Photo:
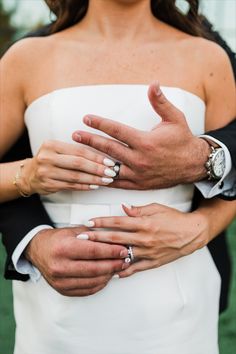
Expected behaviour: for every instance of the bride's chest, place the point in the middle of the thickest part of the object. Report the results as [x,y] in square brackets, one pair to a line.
[58,114]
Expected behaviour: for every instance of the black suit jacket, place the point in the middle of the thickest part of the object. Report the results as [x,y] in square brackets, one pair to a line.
[19,216]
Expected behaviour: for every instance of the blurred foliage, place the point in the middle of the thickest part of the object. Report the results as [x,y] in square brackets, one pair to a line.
[7,31]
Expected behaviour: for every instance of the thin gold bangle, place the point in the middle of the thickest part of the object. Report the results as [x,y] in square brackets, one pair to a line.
[16,179]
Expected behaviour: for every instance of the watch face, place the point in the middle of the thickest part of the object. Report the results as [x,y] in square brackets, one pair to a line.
[218,163]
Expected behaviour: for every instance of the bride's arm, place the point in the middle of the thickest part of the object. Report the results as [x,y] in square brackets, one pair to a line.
[57,165]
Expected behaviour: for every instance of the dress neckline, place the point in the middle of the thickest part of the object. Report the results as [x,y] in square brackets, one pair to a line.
[79,87]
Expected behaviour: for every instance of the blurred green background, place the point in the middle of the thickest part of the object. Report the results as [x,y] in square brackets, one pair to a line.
[20,16]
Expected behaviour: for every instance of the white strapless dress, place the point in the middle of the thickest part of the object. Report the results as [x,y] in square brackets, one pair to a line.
[169,310]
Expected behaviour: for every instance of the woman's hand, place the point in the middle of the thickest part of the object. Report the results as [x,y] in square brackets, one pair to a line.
[158,234]
[60,166]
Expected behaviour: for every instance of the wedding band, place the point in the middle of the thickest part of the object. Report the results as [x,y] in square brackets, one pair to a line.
[116,168]
[131,253]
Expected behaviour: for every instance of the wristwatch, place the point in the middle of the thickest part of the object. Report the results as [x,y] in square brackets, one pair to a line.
[215,164]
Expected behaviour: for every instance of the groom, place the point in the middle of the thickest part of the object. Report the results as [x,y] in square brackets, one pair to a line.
[185,165]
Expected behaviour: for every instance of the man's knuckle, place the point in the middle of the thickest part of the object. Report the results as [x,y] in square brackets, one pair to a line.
[148,242]
[115,131]
[108,147]
[54,271]
[148,146]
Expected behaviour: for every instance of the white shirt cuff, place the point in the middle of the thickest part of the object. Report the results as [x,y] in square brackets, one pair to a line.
[20,262]
[210,189]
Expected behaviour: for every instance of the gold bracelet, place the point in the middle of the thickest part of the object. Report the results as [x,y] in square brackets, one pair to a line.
[17,178]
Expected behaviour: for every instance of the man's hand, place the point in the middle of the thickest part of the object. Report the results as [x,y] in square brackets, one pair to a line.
[74,267]
[166,156]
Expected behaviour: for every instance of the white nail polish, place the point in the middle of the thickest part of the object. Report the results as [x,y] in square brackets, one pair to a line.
[116,276]
[93,186]
[82,237]
[107,180]
[108,162]
[128,206]
[89,223]
[116,168]
[127,260]
[110,173]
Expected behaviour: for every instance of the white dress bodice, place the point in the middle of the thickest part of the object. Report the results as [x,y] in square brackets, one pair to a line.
[55,116]
[168,310]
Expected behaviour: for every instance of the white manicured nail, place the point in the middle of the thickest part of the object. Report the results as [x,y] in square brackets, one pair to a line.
[107,180]
[108,162]
[82,237]
[89,223]
[127,260]
[116,168]
[116,276]
[128,206]
[110,173]
[93,186]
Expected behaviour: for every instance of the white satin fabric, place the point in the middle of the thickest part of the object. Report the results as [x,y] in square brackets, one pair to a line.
[169,310]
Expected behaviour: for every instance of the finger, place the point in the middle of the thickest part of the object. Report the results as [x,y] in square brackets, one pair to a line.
[115,222]
[162,106]
[138,267]
[127,173]
[53,186]
[117,237]
[83,164]
[70,176]
[85,249]
[110,147]
[77,150]
[125,184]
[145,210]
[82,292]
[91,269]
[119,131]
[81,283]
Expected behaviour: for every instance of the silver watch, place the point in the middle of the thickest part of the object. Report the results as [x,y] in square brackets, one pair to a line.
[216,164]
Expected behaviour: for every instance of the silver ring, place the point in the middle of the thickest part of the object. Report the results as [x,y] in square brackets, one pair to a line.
[131,253]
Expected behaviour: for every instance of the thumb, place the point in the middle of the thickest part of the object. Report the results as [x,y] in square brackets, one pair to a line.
[145,210]
[162,106]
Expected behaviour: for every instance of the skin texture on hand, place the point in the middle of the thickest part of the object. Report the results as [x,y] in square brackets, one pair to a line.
[166,156]
[155,240]
[61,166]
[74,267]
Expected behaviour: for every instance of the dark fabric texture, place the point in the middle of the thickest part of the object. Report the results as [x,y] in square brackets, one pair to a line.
[228,137]
[20,216]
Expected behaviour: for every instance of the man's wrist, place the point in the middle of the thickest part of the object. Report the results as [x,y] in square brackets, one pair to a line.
[32,245]
[199,153]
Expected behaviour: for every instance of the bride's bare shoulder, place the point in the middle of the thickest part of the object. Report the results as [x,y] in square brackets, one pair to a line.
[28,49]
[26,59]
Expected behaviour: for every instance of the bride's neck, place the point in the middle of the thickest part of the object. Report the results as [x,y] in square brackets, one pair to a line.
[118,19]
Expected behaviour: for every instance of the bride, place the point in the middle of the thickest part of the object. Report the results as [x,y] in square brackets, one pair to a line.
[100,58]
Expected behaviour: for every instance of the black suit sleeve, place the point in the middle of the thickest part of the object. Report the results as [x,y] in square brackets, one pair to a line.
[226,135]
[19,216]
